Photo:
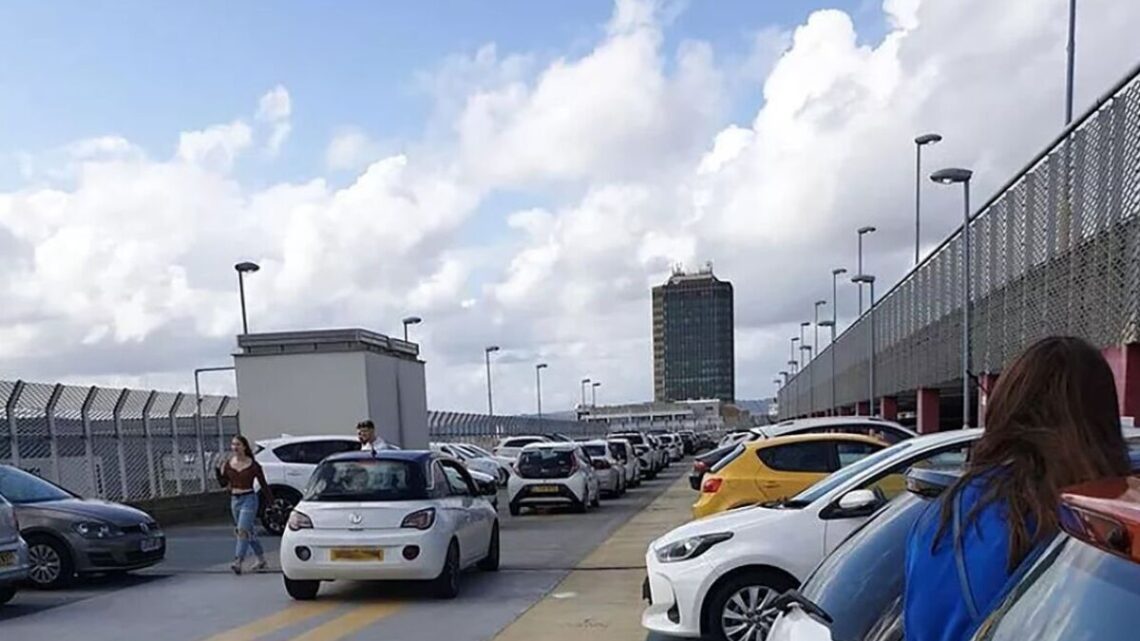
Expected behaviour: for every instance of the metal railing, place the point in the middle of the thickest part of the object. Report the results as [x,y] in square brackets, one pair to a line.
[486,430]
[1055,251]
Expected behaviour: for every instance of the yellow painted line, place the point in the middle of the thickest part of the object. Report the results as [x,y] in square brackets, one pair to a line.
[278,620]
[351,622]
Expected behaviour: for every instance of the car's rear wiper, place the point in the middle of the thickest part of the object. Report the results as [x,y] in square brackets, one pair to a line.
[793,599]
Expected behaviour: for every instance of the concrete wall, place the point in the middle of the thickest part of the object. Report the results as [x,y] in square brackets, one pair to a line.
[300,394]
[397,400]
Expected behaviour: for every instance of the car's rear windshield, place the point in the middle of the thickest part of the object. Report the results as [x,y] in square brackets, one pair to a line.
[635,439]
[367,480]
[1075,592]
[545,462]
[521,442]
[599,451]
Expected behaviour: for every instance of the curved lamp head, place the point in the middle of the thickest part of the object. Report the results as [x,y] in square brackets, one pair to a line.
[247,267]
[805,324]
[585,380]
[863,278]
[820,302]
[866,230]
[793,362]
[783,373]
[951,176]
[795,339]
[413,320]
[826,323]
[491,348]
[596,384]
[541,366]
[927,139]
[806,348]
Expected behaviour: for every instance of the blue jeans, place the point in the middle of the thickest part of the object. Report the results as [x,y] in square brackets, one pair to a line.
[244,508]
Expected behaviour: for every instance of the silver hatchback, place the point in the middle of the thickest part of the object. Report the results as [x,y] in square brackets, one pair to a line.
[13,553]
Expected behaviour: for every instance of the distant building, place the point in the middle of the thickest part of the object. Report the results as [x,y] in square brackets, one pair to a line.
[701,415]
[693,353]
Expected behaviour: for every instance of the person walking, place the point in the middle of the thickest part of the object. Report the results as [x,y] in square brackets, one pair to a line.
[238,472]
[1052,421]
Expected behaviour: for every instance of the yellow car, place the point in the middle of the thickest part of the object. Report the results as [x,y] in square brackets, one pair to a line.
[777,468]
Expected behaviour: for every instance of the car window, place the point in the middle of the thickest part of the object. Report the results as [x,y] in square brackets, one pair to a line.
[313,452]
[456,484]
[439,480]
[520,442]
[799,457]
[1075,592]
[366,480]
[852,451]
[599,451]
[546,462]
[617,450]
[20,487]
[832,481]
[892,482]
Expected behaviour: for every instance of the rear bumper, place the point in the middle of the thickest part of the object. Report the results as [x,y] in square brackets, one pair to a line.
[18,571]
[562,494]
[395,567]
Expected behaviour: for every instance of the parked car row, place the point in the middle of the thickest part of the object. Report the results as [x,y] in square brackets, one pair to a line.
[825,563]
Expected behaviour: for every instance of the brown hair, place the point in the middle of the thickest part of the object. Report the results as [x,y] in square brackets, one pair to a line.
[366,424]
[245,444]
[1052,421]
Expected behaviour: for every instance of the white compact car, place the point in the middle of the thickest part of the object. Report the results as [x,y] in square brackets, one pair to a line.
[674,445]
[553,474]
[713,577]
[628,459]
[610,472]
[389,515]
[288,462]
[474,460]
[13,553]
[646,456]
[509,447]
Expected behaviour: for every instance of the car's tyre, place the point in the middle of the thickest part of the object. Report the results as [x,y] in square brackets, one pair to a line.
[51,564]
[302,590]
[580,507]
[514,509]
[275,516]
[732,611]
[6,594]
[490,563]
[446,585]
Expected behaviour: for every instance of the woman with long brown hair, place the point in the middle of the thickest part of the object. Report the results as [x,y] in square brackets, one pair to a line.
[1052,421]
[238,472]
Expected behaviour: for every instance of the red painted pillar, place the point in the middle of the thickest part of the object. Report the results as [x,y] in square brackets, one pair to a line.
[863,409]
[1125,363]
[986,382]
[927,414]
[889,408]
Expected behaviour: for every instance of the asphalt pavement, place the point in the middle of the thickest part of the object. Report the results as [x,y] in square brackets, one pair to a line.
[192,596]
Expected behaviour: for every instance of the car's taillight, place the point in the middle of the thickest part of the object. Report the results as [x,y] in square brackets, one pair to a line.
[420,519]
[712,485]
[299,521]
[700,467]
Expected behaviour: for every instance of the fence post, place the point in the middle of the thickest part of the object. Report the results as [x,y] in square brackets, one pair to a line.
[199,437]
[151,476]
[88,450]
[10,408]
[116,415]
[174,452]
[53,440]
[218,423]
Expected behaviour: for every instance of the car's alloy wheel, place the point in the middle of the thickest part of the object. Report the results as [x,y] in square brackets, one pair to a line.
[446,585]
[276,515]
[744,616]
[50,566]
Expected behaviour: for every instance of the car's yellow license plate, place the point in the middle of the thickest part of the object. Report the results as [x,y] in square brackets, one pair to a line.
[357,554]
[7,559]
[545,489]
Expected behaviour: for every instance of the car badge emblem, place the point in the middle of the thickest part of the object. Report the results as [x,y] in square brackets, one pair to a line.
[144,528]
[355,518]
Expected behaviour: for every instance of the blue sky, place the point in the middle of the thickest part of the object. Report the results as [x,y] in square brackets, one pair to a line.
[145,70]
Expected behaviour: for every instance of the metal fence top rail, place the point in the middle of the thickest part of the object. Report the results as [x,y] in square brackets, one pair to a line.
[1101,102]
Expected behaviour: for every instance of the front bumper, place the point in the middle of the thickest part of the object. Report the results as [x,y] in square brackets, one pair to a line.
[117,554]
[394,567]
[673,593]
[17,571]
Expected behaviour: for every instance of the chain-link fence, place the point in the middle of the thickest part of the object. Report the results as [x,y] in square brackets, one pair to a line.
[486,430]
[1056,251]
[117,444]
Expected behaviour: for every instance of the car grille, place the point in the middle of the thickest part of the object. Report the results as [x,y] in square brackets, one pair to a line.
[145,527]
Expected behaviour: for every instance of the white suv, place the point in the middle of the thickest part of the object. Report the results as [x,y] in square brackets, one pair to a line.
[509,447]
[553,474]
[628,458]
[288,463]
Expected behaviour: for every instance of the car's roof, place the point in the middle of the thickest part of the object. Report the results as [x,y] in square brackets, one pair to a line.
[285,439]
[829,422]
[532,436]
[552,445]
[411,456]
[811,438]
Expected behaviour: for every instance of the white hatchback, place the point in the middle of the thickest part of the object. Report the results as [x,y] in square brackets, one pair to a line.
[389,515]
[714,577]
[628,458]
[509,447]
[553,474]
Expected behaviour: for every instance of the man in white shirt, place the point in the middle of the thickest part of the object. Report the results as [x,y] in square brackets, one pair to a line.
[366,434]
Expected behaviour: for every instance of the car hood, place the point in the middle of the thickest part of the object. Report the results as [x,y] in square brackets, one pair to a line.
[735,521]
[78,509]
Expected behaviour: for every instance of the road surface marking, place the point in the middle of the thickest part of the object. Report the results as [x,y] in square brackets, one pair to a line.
[278,620]
[353,621]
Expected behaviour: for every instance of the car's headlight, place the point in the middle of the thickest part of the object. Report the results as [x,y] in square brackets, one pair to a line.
[97,530]
[690,548]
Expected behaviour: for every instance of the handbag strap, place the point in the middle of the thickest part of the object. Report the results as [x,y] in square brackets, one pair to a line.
[960,561]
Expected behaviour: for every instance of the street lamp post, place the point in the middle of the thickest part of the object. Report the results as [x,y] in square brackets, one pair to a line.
[585,382]
[793,362]
[198,412]
[785,374]
[919,143]
[804,325]
[538,385]
[487,357]
[859,270]
[811,380]
[953,176]
[243,269]
[594,393]
[817,304]
[831,324]
[835,274]
[870,280]
[410,320]
[1071,50]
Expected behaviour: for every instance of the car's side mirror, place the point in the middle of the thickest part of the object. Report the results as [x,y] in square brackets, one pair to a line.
[854,503]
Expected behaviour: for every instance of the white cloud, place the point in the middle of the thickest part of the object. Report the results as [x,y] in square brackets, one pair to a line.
[274,110]
[351,149]
[215,147]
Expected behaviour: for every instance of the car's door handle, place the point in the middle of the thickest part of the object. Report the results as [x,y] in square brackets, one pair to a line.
[769,484]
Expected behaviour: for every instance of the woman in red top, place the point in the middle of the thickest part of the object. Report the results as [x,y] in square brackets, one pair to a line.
[238,472]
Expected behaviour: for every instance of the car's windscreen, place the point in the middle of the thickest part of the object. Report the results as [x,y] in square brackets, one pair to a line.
[832,481]
[617,450]
[1076,592]
[599,451]
[367,480]
[478,450]
[20,487]
[545,462]
[865,573]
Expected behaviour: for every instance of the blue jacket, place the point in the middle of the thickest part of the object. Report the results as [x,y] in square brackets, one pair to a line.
[935,606]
